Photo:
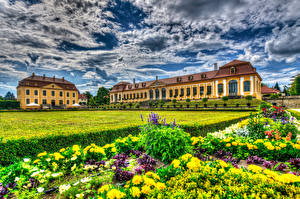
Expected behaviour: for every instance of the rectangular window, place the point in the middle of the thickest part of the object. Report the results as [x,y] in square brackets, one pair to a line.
[68,94]
[176,92]
[142,95]
[44,93]
[36,92]
[36,101]
[145,95]
[133,95]
[194,91]
[53,93]
[27,101]
[61,102]
[27,92]
[188,91]
[130,96]
[44,101]
[138,96]
[73,102]
[68,101]
[60,93]
[181,92]
[246,86]
[208,90]
[201,90]
[127,96]
[220,88]
[73,94]
[171,93]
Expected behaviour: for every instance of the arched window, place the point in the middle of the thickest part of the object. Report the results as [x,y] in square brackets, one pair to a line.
[163,93]
[151,94]
[156,93]
[170,93]
[246,86]
[220,88]
[233,87]
[232,70]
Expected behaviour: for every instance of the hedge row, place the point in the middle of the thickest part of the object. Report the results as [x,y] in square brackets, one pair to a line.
[14,150]
[9,104]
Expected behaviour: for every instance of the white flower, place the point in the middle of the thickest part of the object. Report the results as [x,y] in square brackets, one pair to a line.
[76,183]
[73,167]
[26,159]
[17,179]
[85,180]
[74,158]
[54,175]
[80,195]
[63,188]
[40,189]
[35,174]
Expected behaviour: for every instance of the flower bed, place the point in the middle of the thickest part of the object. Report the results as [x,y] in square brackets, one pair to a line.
[159,163]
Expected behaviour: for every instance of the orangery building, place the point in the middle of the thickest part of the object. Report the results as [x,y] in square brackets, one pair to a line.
[235,79]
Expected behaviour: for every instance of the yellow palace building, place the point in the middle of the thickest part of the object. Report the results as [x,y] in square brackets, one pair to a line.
[235,79]
[46,92]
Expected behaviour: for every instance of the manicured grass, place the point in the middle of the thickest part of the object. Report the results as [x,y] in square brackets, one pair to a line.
[38,124]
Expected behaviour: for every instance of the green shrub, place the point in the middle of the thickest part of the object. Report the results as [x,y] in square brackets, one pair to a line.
[165,143]
[9,104]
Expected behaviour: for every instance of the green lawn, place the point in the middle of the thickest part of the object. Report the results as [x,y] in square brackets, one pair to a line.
[30,124]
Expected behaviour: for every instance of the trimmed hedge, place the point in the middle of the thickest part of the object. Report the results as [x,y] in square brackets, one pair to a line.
[14,150]
[9,104]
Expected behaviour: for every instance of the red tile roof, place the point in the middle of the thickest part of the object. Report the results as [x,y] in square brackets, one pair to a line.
[41,81]
[241,68]
[267,90]
[82,97]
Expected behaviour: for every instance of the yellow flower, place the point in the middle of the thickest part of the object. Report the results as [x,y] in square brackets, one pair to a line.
[103,188]
[195,140]
[176,163]
[135,192]
[134,139]
[148,181]
[297,146]
[114,150]
[255,168]
[62,150]
[186,157]
[277,148]
[234,143]
[42,154]
[228,145]
[75,148]
[223,164]
[36,161]
[136,180]
[160,186]
[115,194]
[146,189]
[58,156]
[194,164]
[282,145]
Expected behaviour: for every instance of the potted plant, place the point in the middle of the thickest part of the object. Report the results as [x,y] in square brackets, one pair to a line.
[237,105]
[174,103]
[249,98]
[225,98]
[188,102]
[196,105]
[216,105]
[204,100]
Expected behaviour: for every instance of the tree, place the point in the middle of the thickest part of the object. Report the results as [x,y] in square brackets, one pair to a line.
[277,86]
[102,96]
[89,96]
[297,86]
[92,102]
[1,98]
[249,98]
[9,96]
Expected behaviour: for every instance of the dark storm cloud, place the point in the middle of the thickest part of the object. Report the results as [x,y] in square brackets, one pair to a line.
[155,43]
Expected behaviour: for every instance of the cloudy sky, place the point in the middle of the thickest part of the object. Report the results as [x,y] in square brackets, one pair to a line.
[101,42]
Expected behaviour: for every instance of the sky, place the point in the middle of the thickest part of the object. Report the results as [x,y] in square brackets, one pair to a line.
[95,43]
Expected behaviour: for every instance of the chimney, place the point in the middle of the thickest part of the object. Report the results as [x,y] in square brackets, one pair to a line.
[63,78]
[133,80]
[44,76]
[156,78]
[215,66]
[33,74]
[54,78]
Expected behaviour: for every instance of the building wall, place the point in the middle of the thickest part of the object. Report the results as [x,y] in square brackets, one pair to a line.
[22,96]
[255,89]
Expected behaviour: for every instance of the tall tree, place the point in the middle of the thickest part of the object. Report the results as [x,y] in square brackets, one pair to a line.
[9,96]
[88,95]
[277,86]
[297,86]
[102,96]
[1,98]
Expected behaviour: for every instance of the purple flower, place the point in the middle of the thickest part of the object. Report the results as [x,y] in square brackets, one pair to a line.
[142,117]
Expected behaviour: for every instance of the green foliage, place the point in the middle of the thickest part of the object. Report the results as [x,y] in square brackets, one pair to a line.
[256,127]
[102,96]
[277,86]
[297,85]
[285,129]
[225,98]
[9,104]
[166,173]
[249,97]
[274,96]
[204,100]
[165,143]
[9,96]
[174,101]
[188,100]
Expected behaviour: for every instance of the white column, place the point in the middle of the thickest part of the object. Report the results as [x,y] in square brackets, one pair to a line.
[217,88]
[242,85]
[251,85]
[225,87]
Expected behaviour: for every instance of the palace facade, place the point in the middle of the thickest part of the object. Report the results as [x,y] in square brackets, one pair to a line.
[46,92]
[235,79]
